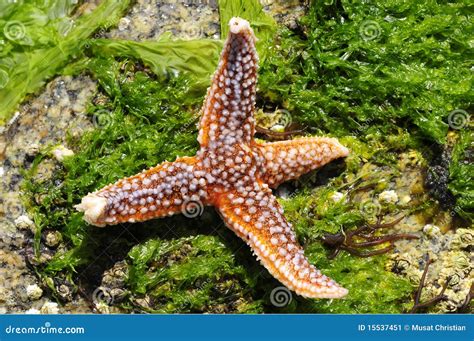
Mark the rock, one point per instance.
(337, 196)
(49, 308)
(431, 230)
(34, 292)
(62, 152)
(24, 222)
(389, 197)
(32, 311)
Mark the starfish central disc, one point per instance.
(231, 172)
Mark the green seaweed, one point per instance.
(195, 274)
(37, 41)
(371, 68)
(196, 58)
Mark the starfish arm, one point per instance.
(227, 113)
(166, 189)
(287, 160)
(258, 219)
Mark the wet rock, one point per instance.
(389, 197)
(24, 222)
(431, 230)
(34, 292)
(32, 311)
(437, 179)
(49, 308)
(61, 152)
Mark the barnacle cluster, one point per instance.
(451, 270)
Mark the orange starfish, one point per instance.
(231, 172)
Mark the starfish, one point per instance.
(231, 172)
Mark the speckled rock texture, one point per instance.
(41, 122)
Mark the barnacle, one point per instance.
(431, 230)
(399, 263)
(418, 305)
(462, 239)
(454, 275)
(459, 260)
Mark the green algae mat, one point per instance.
(392, 80)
